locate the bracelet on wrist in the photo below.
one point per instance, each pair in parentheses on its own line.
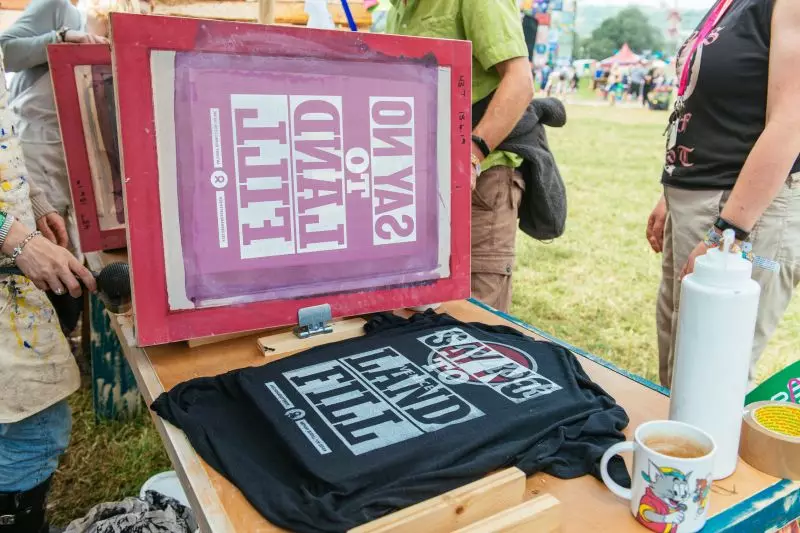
(741,235)
(21,246)
(5,227)
(713,238)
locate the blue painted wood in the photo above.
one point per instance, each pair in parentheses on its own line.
(577,351)
(114,392)
(769,510)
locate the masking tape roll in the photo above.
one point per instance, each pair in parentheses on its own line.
(771,438)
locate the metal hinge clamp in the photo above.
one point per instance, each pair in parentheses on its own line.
(313,321)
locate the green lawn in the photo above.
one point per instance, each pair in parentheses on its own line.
(594,288)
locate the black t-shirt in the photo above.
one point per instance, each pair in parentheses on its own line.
(726,102)
(344,433)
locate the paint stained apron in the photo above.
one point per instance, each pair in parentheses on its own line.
(36,366)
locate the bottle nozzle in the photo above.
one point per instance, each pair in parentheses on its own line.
(728,238)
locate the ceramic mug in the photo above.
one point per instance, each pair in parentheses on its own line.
(671,479)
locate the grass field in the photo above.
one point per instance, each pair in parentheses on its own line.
(594,288)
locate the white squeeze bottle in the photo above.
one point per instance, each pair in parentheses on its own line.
(716,325)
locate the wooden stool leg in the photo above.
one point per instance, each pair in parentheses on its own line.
(114,392)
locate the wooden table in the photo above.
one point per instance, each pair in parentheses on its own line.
(749,501)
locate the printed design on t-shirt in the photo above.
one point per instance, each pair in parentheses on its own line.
(458,358)
(679,155)
(683,57)
(373,399)
(701,494)
(662,507)
(298,417)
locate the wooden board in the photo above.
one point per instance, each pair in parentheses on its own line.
(14,5)
(455,509)
(214,339)
(279,345)
(157,240)
(266,11)
(542,514)
(285,11)
(63,59)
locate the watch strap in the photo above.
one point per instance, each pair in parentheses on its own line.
(722,225)
(482,145)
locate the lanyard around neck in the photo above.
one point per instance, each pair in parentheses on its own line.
(711,23)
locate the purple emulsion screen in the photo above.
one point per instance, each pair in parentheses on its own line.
(298,177)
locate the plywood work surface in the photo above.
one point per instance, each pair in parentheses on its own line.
(585,503)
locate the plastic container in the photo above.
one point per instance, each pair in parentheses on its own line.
(166,483)
(716,325)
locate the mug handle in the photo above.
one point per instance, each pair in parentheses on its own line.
(612,485)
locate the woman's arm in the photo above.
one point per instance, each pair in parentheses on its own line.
(770,162)
(24,44)
(48,266)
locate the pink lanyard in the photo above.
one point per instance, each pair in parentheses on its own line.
(711,23)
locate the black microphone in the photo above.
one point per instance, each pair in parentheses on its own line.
(113,284)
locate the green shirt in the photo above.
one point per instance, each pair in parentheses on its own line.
(493,26)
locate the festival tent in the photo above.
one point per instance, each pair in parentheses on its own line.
(625,56)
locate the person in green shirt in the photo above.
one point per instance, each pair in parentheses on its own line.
(500,66)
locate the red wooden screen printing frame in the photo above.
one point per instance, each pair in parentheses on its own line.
(63,58)
(133,38)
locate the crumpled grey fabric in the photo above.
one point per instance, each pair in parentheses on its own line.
(155,514)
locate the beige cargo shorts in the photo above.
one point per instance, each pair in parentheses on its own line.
(495,205)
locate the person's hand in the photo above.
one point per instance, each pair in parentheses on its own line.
(655,226)
(48,266)
(53,228)
(81,37)
(675,518)
(699,250)
(474,177)
(476,156)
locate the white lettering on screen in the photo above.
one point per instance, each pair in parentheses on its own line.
(393,171)
(293,175)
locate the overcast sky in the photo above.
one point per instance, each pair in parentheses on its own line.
(682,4)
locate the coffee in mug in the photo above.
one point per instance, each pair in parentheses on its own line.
(673,446)
(671,478)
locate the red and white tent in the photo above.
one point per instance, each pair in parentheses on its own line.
(625,56)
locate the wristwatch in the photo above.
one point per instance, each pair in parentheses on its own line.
(482,145)
(741,235)
(61,35)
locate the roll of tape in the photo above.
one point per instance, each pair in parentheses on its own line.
(771,438)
